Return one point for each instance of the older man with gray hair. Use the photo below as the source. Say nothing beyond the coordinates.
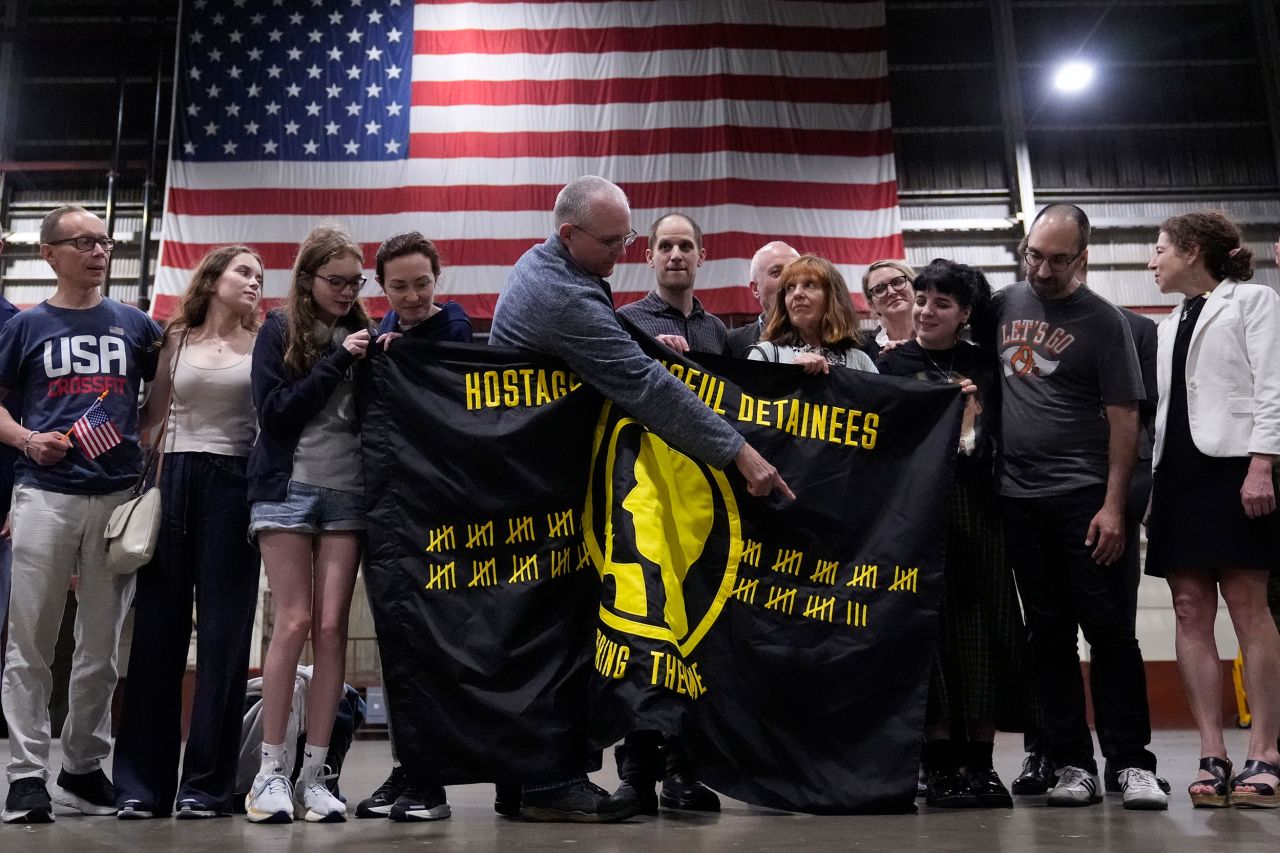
(556, 301)
(766, 266)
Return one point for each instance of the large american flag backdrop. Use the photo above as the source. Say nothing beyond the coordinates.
(761, 120)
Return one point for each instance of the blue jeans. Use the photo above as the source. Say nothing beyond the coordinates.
(201, 557)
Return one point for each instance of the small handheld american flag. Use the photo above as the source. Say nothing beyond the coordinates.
(95, 431)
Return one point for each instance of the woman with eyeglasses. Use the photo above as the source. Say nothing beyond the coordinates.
(813, 324)
(1213, 525)
(976, 685)
(887, 287)
(307, 490)
(201, 395)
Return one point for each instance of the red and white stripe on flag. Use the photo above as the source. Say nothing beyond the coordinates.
(762, 121)
(94, 432)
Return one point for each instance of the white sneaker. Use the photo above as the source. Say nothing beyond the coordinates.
(270, 800)
(1142, 790)
(314, 800)
(1076, 787)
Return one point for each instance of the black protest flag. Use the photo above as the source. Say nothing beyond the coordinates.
(482, 595)
(796, 639)
(529, 548)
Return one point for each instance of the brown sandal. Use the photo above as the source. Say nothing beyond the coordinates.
(1221, 795)
(1263, 796)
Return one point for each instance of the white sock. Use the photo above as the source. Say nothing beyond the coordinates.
(272, 758)
(313, 759)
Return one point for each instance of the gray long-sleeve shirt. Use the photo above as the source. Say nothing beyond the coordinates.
(552, 306)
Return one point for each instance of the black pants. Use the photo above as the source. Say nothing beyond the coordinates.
(1064, 591)
(202, 556)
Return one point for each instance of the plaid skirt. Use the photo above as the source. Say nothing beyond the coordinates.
(981, 665)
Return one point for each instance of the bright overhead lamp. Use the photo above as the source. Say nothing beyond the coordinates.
(1073, 77)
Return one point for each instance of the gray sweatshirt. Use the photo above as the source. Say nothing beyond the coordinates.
(552, 306)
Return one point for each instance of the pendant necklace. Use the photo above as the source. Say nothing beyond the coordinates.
(946, 374)
(1186, 306)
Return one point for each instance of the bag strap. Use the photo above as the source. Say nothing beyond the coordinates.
(156, 453)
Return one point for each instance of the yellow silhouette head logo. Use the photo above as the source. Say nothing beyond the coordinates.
(654, 517)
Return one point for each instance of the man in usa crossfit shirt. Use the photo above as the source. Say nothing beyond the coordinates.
(57, 359)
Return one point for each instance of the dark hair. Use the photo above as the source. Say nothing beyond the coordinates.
(1066, 211)
(1218, 239)
(967, 286)
(653, 229)
(839, 322)
(409, 243)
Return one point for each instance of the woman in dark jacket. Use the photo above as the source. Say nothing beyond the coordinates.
(307, 491)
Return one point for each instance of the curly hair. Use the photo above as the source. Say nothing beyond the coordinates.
(839, 320)
(1225, 255)
(323, 244)
(193, 307)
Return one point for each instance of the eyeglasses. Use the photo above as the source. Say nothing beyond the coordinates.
(898, 283)
(1057, 263)
(86, 244)
(617, 244)
(339, 284)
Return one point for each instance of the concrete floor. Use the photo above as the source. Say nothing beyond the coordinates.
(1028, 827)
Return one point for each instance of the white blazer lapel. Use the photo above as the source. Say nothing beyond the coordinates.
(1213, 306)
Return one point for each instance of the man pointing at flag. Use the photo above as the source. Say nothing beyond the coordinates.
(556, 301)
(75, 363)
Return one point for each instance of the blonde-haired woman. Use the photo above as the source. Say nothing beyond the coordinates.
(307, 490)
(201, 393)
(813, 324)
(887, 288)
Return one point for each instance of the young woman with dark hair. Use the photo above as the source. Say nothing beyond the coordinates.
(977, 681)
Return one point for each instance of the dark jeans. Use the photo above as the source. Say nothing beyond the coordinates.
(1064, 591)
(202, 555)
(1130, 563)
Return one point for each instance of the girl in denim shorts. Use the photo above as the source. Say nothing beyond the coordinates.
(306, 487)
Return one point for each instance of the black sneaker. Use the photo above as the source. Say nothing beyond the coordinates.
(28, 802)
(135, 810)
(379, 803)
(1037, 777)
(87, 793)
(641, 792)
(190, 808)
(506, 800)
(579, 802)
(424, 803)
(682, 791)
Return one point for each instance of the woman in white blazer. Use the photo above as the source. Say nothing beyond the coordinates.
(1213, 524)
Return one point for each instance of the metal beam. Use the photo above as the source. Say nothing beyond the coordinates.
(1017, 155)
(8, 79)
(1268, 35)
